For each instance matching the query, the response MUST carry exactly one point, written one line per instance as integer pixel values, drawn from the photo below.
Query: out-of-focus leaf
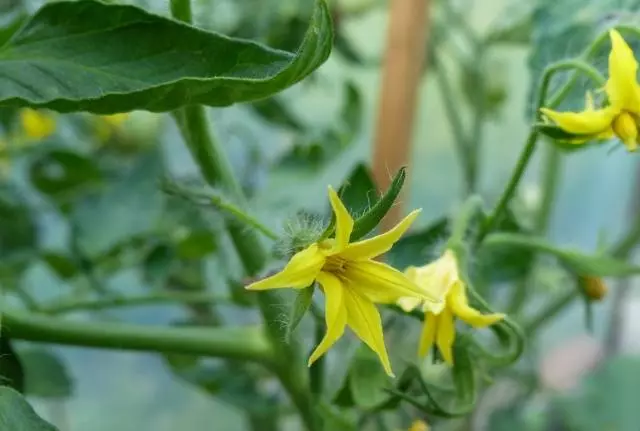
(17, 229)
(334, 419)
(61, 264)
(11, 367)
(492, 74)
(275, 111)
(145, 61)
(58, 173)
(127, 208)
(359, 192)
(500, 264)
(514, 25)
(157, 264)
(344, 46)
(606, 399)
(12, 16)
(45, 374)
(420, 247)
(367, 379)
(17, 415)
(197, 244)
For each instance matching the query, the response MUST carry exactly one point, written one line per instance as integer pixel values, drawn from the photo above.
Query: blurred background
(84, 217)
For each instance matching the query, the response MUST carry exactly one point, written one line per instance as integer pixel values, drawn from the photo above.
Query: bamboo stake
(402, 72)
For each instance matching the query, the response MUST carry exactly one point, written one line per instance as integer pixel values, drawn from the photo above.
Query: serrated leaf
(420, 247)
(107, 58)
(367, 379)
(17, 415)
(45, 374)
(299, 308)
(370, 219)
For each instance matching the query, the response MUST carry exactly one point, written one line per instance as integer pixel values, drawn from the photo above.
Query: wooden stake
(402, 73)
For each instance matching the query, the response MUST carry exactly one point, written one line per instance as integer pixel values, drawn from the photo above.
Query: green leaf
(18, 229)
(367, 379)
(58, 173)
(197, 244)
(358, 192)
(276, 112)
(11, 368)
(421, 247)
(334, 419)
(464, 378)
(300, 305)
(64, 266)
(514, 25)
(45, 374)
(17, 415)
(107, 58)
(370, 219)
(607, 399)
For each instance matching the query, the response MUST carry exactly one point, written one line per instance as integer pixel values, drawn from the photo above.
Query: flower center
(625, 126)
(335, 265)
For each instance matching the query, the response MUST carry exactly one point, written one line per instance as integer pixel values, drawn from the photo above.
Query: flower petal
(382, 283)
(344, 221)
(380, 244)
(446, 335)
(459, 304)
(300, 272)
(364, 320)
(622, 86)
(335, 314)
(428, 336)
(585, 122)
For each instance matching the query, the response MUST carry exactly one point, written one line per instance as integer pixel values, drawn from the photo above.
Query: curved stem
(68, 306)
(241, 343)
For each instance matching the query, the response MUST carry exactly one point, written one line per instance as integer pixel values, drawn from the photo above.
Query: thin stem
(475, 138)
(240, 343)
(549, 311)
(242, 216)
(551, 173)
(67, 306)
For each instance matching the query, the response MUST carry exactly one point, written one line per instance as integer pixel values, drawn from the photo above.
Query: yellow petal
(344, 221)
(624, 126)
(459, 304)
(446, 334)
(382, 283)
(380, 244)
(37, 125)
(419, 426)
(428, 336)
(300, 272)
(408, 303)
(335, 314)
(364, 320)
(585, 122)
(622, 86)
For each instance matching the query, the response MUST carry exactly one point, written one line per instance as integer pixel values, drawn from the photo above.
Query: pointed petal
(380, 244)
(428, 336)
(408, 303)
(335, 314)
(585, 122)
(446, 335)
(300, 272)
(382, 283)
(344, 221)
(460, 307)
(622, 86)
(364, 320)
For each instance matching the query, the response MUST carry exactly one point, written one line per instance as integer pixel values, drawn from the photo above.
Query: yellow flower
(37, 125)
(419, 426)
(441, 279)
(622, 116)
(351, 281)
(106, 125)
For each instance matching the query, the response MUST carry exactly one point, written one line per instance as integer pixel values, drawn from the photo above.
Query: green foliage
(299, 307)
(45, 374)
(11, 368)
(367, 380)
(47, 63)
(359, 192)
(420, 247)
(17, 415)
(17, 230)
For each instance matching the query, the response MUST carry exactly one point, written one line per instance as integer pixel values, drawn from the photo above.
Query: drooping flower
(622, 115)
(37, 125)
(441, 279)
(351, 281)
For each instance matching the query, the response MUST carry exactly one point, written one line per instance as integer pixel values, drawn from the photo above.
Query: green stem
(240, 343)
(242, 216)
(628, 242)
(554, 307)
(67, 306)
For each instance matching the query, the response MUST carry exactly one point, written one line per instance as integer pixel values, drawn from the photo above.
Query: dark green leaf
(464, 375)
(45, 374)
(197, 244)
(17, 230)
(367, 379)
(11, 367)
(334, 419)
(345, 47)
(90, 56)
(12, 16)
(17, 415)
(370, 219)
(421, 247)
(276, 112)
(61, 264)
(359, 192)
(299, 308)
(60, 172)
(351, 112)
(157, 266)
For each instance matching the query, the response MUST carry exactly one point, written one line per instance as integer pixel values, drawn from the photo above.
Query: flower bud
(593, 287)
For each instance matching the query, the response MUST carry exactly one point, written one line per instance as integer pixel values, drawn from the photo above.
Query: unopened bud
(419, 426)
(594, 287)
